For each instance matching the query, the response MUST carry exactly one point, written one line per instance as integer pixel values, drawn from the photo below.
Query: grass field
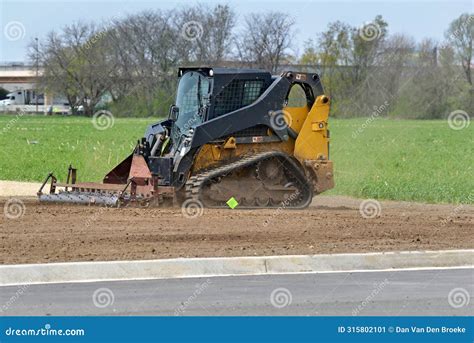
(385, 159)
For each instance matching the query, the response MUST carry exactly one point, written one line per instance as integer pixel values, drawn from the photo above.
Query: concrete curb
(223, 266)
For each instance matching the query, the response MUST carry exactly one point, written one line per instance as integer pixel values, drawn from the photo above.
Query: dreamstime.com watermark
(456, 211)
(378, 287)
(370, 209)
(103, 297)
(457, 33)
(281, 208)
(45, 331)
(200, 288)
(108, 27)
(103, 120)
(192, 30)
(458, 120)
(14, 209)
(458, 297)
(378, 110)
(195, 119)
(95, 216)
(14, 31)
(281, 297)
(280, 120)
(192, 208)
(370, 31)
(451, 215)
(19, 292)
(12, 122)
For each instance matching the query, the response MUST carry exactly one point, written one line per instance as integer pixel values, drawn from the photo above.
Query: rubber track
(195, 183)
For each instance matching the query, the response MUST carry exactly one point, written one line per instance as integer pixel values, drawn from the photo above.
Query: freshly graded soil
(332, 224)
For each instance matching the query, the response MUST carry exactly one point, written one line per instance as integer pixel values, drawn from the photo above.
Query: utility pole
(37, 72)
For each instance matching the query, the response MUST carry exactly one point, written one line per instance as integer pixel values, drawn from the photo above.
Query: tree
(335, 51)
(366, 43)
(393, 67)
(310, 54)
(143, 47)
(220, 25)
(75, 64)
(266, 39)
(422, 92)
(460, 35)
(205, 33)
(148, 46)
(335, 44)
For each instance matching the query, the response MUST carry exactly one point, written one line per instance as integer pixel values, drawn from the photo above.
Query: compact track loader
(262, 140)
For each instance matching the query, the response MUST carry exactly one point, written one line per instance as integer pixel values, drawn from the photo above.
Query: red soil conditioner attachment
(129, 182)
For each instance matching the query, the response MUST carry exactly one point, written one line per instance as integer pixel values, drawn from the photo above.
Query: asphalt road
(418, 292)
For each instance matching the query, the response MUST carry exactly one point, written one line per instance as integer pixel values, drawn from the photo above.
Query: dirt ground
(54, 233)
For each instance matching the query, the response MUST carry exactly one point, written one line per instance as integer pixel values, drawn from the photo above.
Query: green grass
(388, 159)
(61, 141)
(412, 160)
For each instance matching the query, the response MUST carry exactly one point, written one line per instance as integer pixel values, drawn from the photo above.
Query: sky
(23, 20)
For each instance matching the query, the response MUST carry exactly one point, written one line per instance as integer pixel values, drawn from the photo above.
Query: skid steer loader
(234, 137)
